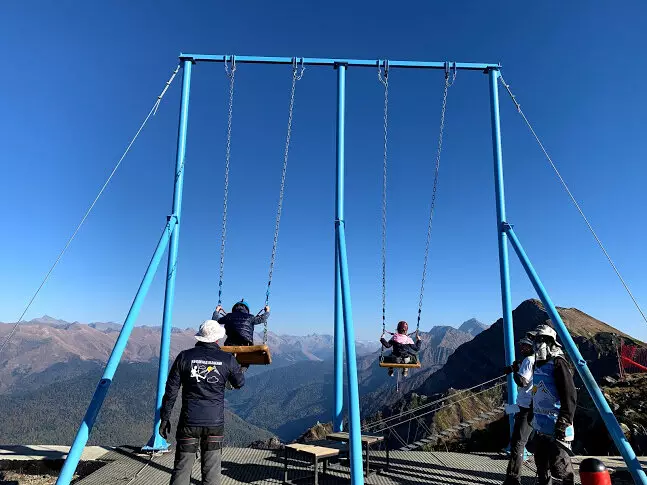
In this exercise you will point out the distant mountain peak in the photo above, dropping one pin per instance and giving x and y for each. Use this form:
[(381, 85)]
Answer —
[(473, 327), (48, 320)]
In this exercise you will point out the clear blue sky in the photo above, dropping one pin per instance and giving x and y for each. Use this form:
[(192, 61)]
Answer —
[(80, 76)]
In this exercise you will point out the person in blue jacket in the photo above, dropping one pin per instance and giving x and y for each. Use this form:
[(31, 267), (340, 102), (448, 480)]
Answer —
[(554, 400), (239, 324), (201, 372)]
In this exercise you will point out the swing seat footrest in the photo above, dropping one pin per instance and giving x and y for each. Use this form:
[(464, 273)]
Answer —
[(250, 354)]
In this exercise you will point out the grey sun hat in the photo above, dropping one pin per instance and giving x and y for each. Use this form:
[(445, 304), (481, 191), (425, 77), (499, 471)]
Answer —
[(210, 331), (544, 330)]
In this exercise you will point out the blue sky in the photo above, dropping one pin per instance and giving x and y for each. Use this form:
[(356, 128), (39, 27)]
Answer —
[(79, 78)]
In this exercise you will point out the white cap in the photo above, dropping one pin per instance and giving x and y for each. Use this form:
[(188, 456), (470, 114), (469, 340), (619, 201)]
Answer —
[(210, 331)]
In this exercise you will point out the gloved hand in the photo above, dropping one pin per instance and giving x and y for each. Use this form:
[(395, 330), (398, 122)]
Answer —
[(560, 429), (165, 429), (516, 365)]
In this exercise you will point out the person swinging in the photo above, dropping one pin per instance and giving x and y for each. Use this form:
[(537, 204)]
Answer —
[(405, 351), (239, 324)]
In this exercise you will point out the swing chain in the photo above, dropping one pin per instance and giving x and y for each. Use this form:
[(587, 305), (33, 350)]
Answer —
[(231, 73), (450, 77), (383, 77), (298, 68)]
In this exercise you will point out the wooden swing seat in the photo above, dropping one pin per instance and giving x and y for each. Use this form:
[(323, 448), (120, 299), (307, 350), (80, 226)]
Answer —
[(392, 365), (250, 354)]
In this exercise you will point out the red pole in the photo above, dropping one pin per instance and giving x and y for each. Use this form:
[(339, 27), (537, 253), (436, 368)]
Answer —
[(629, 361)]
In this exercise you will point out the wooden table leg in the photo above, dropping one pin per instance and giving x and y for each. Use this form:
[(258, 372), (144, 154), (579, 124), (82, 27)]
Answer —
[(285, 466), (316, 471), (368, 459)]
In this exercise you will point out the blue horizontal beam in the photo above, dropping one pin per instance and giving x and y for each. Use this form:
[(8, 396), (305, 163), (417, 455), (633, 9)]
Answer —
[(318, 61)]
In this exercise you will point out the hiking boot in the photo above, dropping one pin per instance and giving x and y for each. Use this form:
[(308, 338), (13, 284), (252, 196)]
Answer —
[(390, 372), (228, 386), (405, 372)]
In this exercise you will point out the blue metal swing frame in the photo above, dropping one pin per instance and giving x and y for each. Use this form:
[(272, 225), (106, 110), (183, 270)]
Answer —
[(343, 326)]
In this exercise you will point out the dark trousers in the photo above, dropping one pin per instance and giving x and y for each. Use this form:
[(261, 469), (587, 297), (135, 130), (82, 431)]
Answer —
[(520, 434), (400, 359), (550, 459), (190, 439), (238, 341)]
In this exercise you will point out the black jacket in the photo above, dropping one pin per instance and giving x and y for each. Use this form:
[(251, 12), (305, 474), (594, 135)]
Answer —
[(202, 372), (566, 390), (402, 350), (240, 326)]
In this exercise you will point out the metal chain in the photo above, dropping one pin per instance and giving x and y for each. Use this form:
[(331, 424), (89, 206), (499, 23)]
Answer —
[(574, 200), (449, 81), (231, 74), (151, 113), (297, 74), (384, 79)]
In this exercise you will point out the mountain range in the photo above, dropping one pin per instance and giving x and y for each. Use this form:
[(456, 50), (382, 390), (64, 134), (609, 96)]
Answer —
[(49, 371), (51, 413), (47, 349), (47, 355)]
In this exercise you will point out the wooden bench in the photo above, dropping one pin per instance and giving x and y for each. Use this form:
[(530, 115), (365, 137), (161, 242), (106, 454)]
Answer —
[(368, 441), (311, 453)]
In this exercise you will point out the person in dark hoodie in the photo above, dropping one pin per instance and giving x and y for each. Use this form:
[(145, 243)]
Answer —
[(405, 351), (239, 324), (202, 373), (554, 400)]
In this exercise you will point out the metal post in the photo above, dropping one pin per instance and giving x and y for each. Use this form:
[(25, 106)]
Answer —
[(601, 404), (156, 442), (338, 334), (338, 337), (356, 469), (83, 433), (504, 268)]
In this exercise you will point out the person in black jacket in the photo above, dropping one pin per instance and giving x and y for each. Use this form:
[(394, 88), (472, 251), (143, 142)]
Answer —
[(202, 373), (404, 350), (239, 324)]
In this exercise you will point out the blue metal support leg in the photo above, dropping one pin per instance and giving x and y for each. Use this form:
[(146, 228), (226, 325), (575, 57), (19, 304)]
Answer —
[(156, 442), (354, 423), (338, 337), (601, 404), (354, 420), (504, 268), (83, 434)]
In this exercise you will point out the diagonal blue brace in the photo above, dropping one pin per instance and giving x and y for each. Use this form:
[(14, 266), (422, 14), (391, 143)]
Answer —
[(601, 403), (83, 434)]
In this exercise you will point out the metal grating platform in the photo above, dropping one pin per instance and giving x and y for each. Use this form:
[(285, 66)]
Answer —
[(243, 465)]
